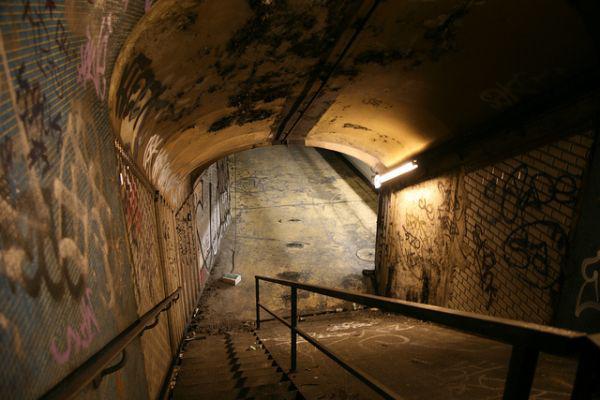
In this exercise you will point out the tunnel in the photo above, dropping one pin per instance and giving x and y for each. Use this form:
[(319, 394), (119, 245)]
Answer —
[(299, 199)]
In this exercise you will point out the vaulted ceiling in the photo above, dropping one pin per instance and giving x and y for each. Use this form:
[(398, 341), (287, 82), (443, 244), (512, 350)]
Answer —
[(380, 80)]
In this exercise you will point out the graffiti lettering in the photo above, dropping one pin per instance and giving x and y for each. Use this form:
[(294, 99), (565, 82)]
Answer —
[(449, 211), (40, 127), (60, 230), (139, 92), (46, 30), (78, 338), (428, 208), (133, 212), (486, 261), (588, 297), (527, 252), (93, 57)]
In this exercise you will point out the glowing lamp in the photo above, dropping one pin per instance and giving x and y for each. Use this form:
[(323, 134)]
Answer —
[(401, 170)]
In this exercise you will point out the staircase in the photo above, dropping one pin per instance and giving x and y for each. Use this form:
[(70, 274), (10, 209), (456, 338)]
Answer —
[(231, 366)]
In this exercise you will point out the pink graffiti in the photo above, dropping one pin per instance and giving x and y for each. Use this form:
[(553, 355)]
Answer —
[(93, 57), (78, 339)]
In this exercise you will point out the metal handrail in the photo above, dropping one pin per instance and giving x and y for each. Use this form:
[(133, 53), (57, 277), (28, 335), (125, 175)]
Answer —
[(96, 366), (527, 339)]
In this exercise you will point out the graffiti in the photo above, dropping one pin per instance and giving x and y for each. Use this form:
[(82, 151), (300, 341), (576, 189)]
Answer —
[(60, 230), (140, 218), (139, 92), (486, 262), (519, 87), (78, 338), (588, 297), (411, 239), (10, 336), (93, 57), (131, 200), (522, 190), (47, 31), (167, 223), (449, 211), (151, 151), (428, 208), (428, 230), (41, 127), (527, 251)]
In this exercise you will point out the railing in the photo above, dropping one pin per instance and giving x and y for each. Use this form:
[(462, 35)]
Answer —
[(96, 367), (527, 339)]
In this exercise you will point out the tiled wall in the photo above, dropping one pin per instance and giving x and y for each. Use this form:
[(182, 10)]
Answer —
[(493, 240), (86, 245)]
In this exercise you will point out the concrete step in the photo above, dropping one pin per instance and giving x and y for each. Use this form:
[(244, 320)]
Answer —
[(281, 390), (232, 366), (230, 384), (222, 354), (226, 359), (201, 348), (245, 366), (206, 379)]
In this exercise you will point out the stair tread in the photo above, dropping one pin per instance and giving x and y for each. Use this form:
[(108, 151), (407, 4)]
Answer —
[(210, 378), (225, 359), (257, 392), (234, 366), (207, 355), (231, 384), (215, 347), (199, 368)]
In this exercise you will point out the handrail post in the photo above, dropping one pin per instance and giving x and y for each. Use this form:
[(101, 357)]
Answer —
[(294, 322), (256, 283), (521, 370)]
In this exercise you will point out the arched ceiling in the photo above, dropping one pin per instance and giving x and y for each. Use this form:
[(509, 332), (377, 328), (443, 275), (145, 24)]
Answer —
[(379, 80)]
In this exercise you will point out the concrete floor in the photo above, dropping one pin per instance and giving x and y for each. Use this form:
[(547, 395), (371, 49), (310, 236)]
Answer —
[(299, 214), (419, 360)]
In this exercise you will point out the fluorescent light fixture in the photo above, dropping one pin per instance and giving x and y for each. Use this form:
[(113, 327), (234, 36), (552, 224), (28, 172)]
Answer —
[(401, 170)]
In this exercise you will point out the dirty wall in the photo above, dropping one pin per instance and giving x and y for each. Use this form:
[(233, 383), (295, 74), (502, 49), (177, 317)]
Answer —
[(494, 240), (211, 207), (86, 244)]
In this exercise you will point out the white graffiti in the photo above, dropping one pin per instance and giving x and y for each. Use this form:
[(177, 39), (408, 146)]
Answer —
[(151, 151), (589, 293), (157, 165)]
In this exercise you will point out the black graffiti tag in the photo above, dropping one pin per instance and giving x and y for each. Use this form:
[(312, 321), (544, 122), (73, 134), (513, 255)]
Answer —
[(526, 249), (523, 189), (486, 262)]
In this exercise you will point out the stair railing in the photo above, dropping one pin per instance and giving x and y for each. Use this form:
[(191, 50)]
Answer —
[(96, 367), (527, 339)]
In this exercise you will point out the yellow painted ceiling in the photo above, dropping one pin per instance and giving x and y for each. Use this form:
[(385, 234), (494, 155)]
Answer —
[(379, 80)]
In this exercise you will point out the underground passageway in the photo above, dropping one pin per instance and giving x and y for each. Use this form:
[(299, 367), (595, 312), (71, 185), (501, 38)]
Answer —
[(408, 190), (297, 214)]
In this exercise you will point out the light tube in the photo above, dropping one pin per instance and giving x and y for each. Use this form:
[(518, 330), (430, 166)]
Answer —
[(401, 170)]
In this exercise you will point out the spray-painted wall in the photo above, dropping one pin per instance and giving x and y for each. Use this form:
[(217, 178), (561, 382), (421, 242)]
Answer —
[(212, 214), (494, 240), (86, 244)]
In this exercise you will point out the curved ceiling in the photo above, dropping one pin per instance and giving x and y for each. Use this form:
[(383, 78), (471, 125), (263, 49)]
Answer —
[(379, 80)]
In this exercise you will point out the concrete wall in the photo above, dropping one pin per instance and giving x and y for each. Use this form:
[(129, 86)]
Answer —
[(86, 244), (495, 240)]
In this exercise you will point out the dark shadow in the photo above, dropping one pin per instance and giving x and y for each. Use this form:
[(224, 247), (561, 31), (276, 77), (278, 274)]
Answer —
[(346, 170)]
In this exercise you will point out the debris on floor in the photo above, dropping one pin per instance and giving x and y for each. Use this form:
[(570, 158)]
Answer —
[(232, 279)]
